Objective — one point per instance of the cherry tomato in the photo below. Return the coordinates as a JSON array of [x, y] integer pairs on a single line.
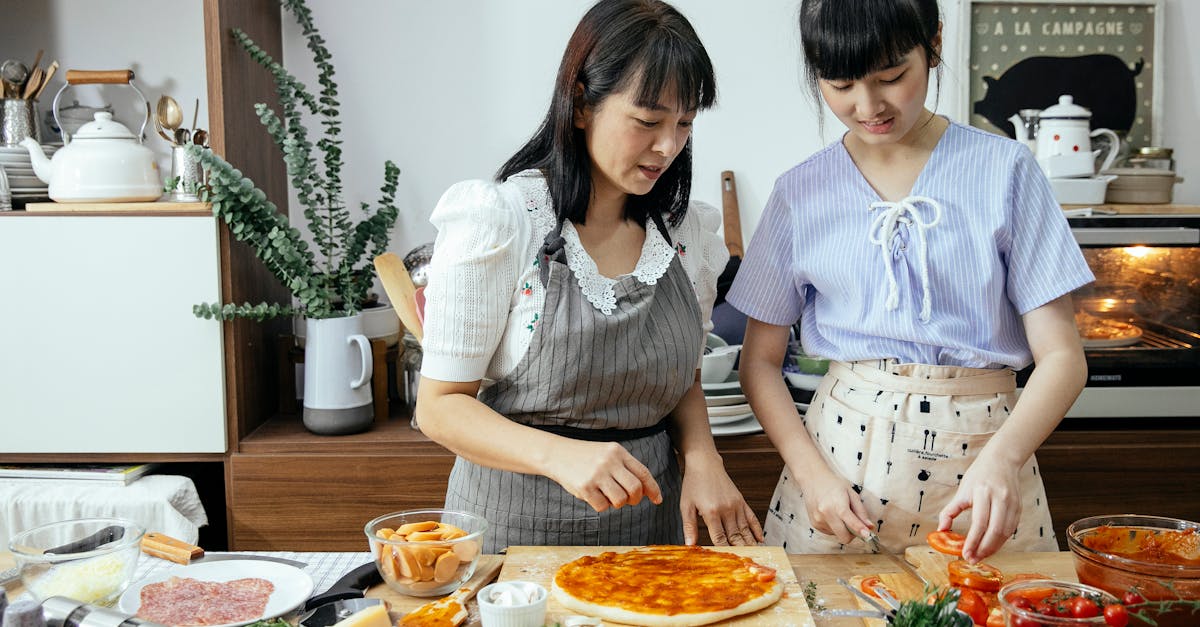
[[946, 542], [982, 577], [1116, 615], [1051, 608], [869, 584], [1021, 621], [1083, 607], [1133, 598], [1021, 602]]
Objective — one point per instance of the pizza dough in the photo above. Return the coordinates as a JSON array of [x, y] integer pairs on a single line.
[[663, 586], [1097, 332]]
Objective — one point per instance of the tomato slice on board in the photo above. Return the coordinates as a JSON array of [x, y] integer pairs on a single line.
[[869, 584], [973, 605], [983, 577], [946, 542], [995, 618]]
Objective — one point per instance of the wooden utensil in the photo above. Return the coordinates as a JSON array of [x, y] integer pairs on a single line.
[[400, 290], [49, 74], [732, 216], [447, 612], [33, 83]]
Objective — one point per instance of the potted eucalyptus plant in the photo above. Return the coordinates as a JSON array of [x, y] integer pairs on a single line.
[[330, 279]]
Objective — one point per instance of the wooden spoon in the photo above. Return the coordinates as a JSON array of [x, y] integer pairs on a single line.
[[400, 290], [32, 83], [46, 76]]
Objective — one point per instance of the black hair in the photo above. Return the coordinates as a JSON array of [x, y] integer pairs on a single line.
[[616, 43], [848, 39]]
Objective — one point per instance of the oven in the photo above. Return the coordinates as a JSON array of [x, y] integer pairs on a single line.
[[1140, 319]]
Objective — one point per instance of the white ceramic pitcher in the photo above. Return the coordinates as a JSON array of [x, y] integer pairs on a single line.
[[337, 373], [1064, 141]]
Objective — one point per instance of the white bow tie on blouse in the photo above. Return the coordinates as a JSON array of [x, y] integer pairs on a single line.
[[884, 229]]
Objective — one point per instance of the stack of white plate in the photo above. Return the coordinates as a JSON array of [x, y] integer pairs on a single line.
[[22, 182], [728, 412]]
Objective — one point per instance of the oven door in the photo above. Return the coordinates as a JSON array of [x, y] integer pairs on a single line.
[[1140, 320]]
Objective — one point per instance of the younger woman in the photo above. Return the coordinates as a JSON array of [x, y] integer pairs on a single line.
[[928, 260], [567, 305]]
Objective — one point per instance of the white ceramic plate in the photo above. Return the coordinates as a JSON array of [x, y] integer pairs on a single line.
[[724, 400], [730, 410], [741, 427], [22, 181], [292, 585], [28, 190], [803, 381], [729, 386]]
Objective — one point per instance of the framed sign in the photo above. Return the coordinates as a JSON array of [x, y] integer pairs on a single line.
[[1104, 53]]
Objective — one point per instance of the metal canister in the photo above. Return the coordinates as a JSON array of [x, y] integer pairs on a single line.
[[188, 177], [1156, 157], [64, 612]]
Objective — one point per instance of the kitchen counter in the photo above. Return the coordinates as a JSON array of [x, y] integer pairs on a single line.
[[823, 570]]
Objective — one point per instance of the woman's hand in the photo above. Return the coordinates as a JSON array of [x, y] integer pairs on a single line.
[[709, 491], [991, 490], [603, 474], [834, 508]]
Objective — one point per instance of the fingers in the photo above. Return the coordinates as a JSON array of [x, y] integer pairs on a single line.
[[690, 530], [981, 515], [1004, 519], [755, 528], [951, 511], [649, 485]]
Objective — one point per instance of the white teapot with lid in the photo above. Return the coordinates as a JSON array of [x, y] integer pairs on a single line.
[[103, 161], [1064, 140]]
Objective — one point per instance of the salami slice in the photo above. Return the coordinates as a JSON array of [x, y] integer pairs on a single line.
[[187, 602]]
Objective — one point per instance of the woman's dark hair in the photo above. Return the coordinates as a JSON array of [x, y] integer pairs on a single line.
[[848, 39], [643, 45]]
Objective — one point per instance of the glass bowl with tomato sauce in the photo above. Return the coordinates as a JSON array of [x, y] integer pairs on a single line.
[[1141, 558], [1050, 603]]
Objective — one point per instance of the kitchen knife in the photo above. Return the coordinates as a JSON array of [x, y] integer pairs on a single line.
[[351, 586], [334, 612], [872, 541], [111, 533]]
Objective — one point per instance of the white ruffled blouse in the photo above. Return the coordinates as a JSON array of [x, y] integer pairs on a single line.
[[484, 297]]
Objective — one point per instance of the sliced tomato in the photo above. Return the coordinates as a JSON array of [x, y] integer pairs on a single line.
[[982, 577], [973, 605], [995, 618], [946, 542], [869, 584]]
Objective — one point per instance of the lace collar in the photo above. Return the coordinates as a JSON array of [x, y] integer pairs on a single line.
[[598, 289]]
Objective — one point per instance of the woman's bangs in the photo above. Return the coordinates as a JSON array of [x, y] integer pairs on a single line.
[[665, 64], [842, 45]]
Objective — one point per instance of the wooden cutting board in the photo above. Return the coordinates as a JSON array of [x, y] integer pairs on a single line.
[[932, 565], [539, 563], [401, 604]]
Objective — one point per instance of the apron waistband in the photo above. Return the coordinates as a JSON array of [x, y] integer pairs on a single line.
[[999, 381], [604, 435]]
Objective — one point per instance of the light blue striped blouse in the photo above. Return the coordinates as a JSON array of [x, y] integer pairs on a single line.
[[997, 247]]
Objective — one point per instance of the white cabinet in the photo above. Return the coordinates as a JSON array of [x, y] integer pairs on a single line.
[[99, 350]]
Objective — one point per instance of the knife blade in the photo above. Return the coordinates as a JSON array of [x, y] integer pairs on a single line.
[[872, 541], [217, 557]]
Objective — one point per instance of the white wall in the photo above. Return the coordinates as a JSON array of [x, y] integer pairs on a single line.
[[449, 89]]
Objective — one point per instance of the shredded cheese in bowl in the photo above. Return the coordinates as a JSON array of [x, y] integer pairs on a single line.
[[97, 580]]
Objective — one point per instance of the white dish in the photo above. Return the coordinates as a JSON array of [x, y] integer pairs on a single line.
[[20, 180], [723, 400], [729, 386], [28, 190], [292, 585], [741, 427], [729, 410], [729, 418], [803, 381]]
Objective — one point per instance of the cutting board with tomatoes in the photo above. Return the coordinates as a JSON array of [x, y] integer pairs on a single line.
[[539, 563], [934, 566]]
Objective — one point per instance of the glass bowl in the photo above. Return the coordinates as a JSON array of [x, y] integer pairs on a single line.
[[1110, 553], [1055, 593], [91, 560], [428, 552]]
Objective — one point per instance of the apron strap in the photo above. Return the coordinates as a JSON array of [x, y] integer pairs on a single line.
[[605, 435], [999, 381]]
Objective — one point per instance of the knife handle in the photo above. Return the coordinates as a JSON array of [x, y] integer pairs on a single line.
[[161, 545], [111, 533], [352, 585]]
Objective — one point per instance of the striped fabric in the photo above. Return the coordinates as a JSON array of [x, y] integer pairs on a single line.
[[1000, 248], [585, 369]]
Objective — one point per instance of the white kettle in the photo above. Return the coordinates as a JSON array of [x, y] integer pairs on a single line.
[[1064, 140], [104, 161]]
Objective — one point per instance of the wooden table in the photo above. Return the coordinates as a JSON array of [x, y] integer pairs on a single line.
[[823, 570]]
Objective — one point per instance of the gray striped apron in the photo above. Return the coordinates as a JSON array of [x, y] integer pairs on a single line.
[[592, 376]]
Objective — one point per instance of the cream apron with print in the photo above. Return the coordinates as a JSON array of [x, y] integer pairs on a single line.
[[904, 435], [592, 376]]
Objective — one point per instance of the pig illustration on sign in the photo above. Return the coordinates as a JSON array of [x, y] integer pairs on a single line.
[[1101, 83]]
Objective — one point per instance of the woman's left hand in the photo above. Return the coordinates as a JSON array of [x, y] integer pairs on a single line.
[[709, 491], [991, 490]]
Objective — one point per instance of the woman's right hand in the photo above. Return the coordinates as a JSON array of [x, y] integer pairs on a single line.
[[604, 475], [834, 508]]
